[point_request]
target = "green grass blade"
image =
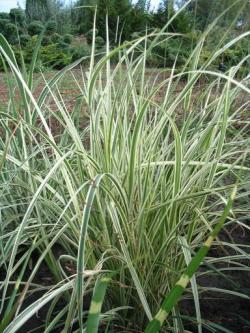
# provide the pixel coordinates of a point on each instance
(82, 244)
(34, 307)
(96, 304)
(173, 297)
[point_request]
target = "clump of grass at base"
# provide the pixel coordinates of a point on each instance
(139, 164)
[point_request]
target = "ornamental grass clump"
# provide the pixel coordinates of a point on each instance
(129, 185)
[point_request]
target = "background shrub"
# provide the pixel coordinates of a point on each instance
(24, 39)
(89, 35)
(4, 16)
(17, 16)
(46, 40)
(67, 38)
(11, 33)
(99, 41)
(80, 51)
(53, 56)
(55, 38)
(3, 25)
(63, 46)
(35, 28)
(29, 49)
(51, 27)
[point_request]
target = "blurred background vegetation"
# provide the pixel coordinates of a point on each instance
(67, 28)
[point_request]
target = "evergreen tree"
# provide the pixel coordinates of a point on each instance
(205, 11)
(141, 4)
(83, 15)
(42, 9)
(17, 16)
(164, 12)
(118, 11)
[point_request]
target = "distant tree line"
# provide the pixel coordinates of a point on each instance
(62, 24)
